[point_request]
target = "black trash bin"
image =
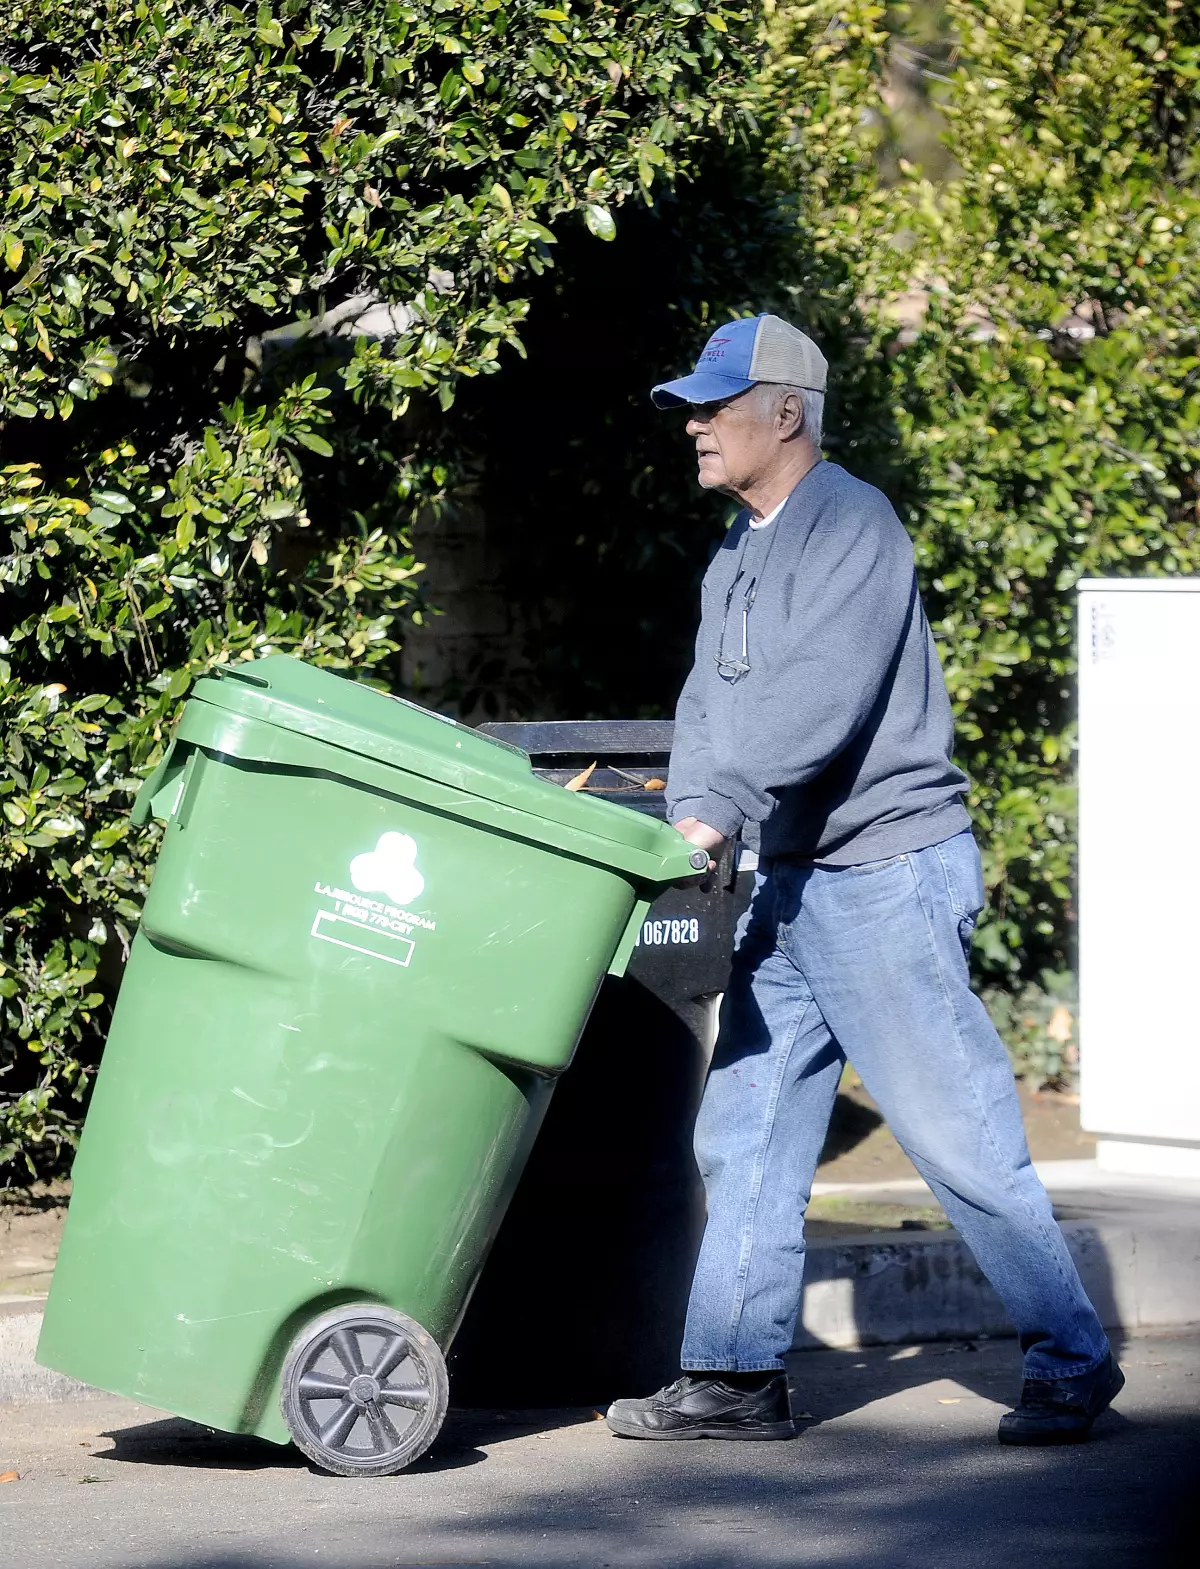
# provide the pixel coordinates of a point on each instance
(584, 1294)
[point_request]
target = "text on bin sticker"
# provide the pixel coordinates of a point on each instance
(659, 934)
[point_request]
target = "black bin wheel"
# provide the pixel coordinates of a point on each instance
(365, 1390)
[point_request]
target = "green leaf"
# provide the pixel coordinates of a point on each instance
(529, 230)
(114, 500)
(600, 221)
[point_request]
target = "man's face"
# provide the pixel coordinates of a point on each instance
(735, 444)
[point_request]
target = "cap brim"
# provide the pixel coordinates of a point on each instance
(702, 386)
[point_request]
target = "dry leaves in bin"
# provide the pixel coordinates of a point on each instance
(655, 784)
(580, 779)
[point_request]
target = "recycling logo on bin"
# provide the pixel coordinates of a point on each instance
(380, 927)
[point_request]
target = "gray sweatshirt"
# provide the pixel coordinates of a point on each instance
(835, 744)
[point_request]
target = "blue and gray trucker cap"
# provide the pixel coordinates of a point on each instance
(757, 348)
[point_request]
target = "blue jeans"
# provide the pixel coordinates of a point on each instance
(869, 963)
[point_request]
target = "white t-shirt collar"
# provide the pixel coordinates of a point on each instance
(770, 517)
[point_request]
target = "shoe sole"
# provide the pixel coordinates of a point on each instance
(1035, 1440)
(763, 1431)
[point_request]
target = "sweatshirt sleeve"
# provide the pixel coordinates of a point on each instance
(854, 593)
(691, 751)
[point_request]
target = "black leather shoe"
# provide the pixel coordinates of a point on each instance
(701, 1406)
(1062, 1410)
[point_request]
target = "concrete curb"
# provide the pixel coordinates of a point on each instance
(1135, 1241)
(878, 1290)
(21, 1379)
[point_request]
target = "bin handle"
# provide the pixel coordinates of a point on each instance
(169, 771)
(620, 959)
(236, 673)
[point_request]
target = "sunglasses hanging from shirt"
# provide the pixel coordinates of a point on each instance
(732, 667)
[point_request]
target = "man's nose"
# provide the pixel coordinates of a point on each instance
(695, 425)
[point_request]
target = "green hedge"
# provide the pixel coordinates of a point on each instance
(1019, 328)
(989, 214)
(194, 470)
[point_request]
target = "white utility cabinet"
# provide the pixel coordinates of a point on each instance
(1139, 872)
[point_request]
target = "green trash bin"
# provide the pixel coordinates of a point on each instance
(372, 942)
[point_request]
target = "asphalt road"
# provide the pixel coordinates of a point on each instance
(897, 1468)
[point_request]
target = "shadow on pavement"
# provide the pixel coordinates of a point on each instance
(912, 1478)
(988, 1368)
(174, 1441)
(490, 1427)
(941, 1505)
(186, 1445)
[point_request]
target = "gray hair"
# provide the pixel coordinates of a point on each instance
(772, 393)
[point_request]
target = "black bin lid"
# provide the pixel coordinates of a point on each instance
(628, 754)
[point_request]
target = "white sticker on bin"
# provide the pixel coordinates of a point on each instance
(390, 868)
(351, 918)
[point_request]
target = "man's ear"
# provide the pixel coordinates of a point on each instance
(789, 416)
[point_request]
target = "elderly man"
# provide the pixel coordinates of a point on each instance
(816, 724)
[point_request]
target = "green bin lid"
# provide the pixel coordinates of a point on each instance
(362, 722)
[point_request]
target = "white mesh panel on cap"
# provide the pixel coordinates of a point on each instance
(782, 353)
